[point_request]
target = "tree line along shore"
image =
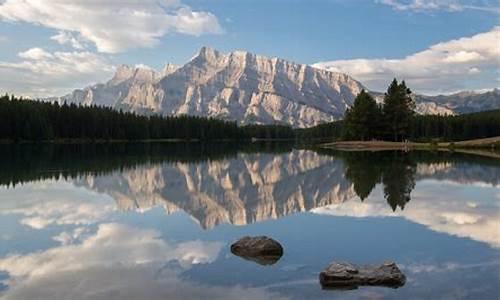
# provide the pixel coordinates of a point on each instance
(393, 120)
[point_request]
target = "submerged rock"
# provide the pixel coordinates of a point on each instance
(260, 249)
(343, 275)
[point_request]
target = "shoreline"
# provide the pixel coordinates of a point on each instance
(491, 142)
(486, 147)
(113, 141)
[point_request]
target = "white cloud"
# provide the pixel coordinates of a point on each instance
(448, 267)
(111, 244)
(35, 54)
(452, 214)
(68, 38)
(69, 237)
(47, 74)
(113, 26)
(441, 5)
(118, 262)
(54, 203)
(465, 63)
(3, 39)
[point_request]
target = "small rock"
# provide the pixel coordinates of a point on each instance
(343, 275)
(260, 249)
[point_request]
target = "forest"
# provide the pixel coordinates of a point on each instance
(424, 128)
(394, 119)
(28, 120)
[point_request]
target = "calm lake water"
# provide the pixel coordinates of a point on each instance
(155, 221)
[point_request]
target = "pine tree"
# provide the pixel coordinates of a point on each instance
(362, 120)
(398, 111)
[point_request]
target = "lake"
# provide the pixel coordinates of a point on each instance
(155, 221)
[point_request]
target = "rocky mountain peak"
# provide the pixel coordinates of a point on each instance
(139, 73)
(248, 88)
(207, 54)
(123, 72)
(169, 69)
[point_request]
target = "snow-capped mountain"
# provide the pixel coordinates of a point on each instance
(244, 87)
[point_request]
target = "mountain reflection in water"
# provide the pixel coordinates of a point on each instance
(94, 191)
(240, 184)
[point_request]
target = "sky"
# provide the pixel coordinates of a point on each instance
(50, 47)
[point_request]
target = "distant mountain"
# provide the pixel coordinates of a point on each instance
(248, 88)
(464, 102)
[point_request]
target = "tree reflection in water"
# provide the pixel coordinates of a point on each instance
(394, 169)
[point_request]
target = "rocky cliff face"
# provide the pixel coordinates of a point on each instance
(250, 88)
(464, 102)
(237, 86)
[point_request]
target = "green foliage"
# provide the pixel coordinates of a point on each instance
(27, 120)
(268, 131)
(456, 128)
(322, 132)
(396, 121)
(362, 120)
(398, 110)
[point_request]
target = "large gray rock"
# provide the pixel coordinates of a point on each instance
(343, 275)
(260, 249)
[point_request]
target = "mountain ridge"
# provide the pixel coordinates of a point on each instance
(246, 88)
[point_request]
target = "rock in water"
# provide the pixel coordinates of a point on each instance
(260, 249)
(343, 275)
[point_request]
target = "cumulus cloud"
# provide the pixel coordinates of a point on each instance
(118, 262)
(465, 63)
(451, 214)
(55, 203)
(35, 54)
(71, 236)
(441, 5)
(113, 26)
(68, 38)
(42, 73)
(112, 244)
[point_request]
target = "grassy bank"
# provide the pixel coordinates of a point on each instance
(485, 143)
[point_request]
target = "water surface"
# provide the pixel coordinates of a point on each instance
(155, 221)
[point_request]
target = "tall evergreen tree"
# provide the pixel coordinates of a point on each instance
(398, 111)
(362, 120)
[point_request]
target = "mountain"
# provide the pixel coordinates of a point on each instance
(238, 86)
(248, 88)
(465, 102)
(423, 105)
(126, 82)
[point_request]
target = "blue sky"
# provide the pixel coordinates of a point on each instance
(51, 47)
